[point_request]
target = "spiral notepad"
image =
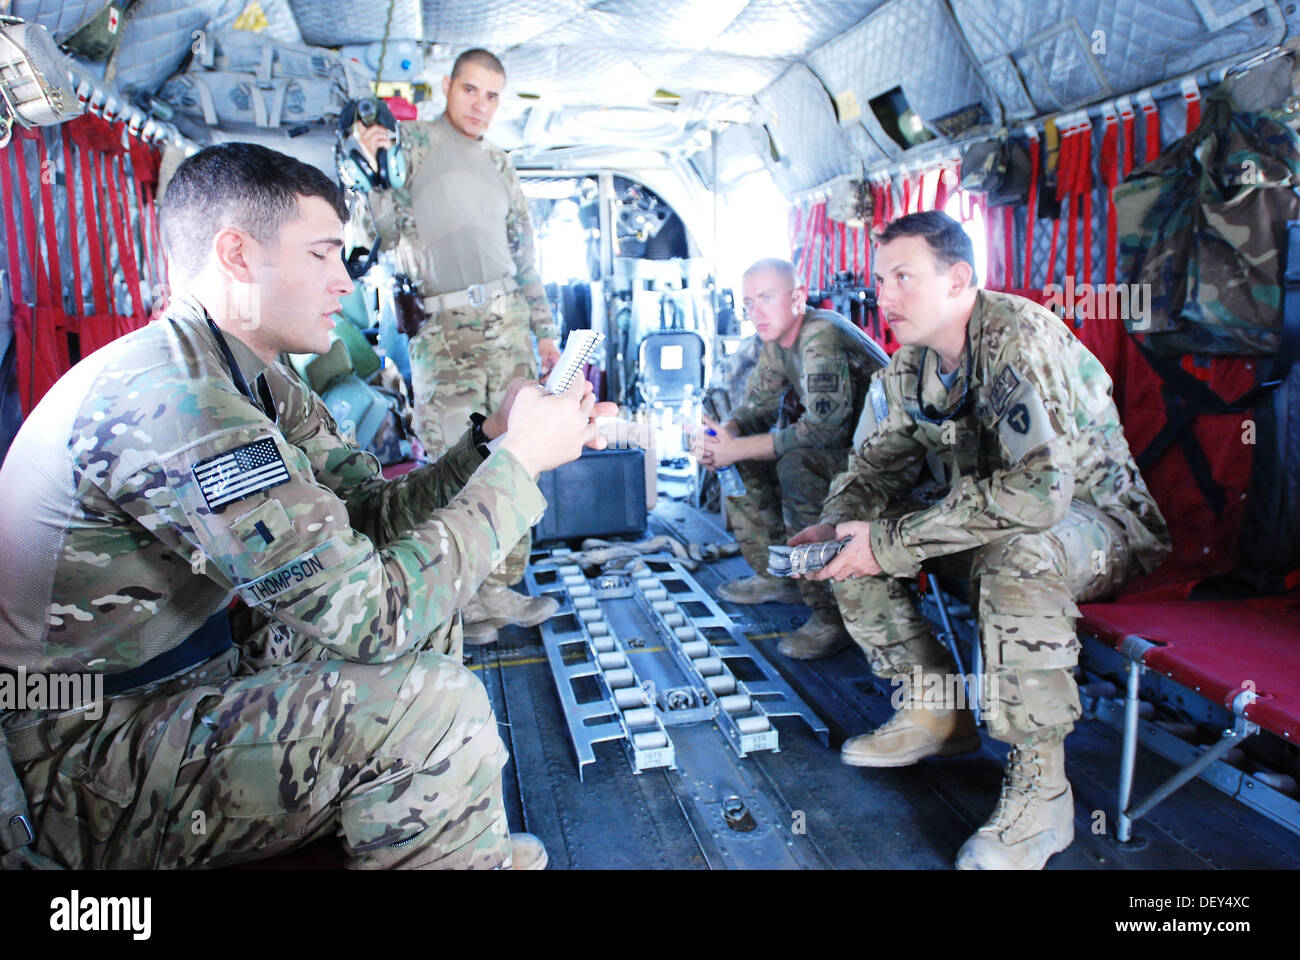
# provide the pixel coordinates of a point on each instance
(578, 350)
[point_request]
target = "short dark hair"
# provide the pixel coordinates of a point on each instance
(484, 58)
(242, 185)
(944, 235)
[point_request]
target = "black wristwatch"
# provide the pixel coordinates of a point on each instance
(477, 436)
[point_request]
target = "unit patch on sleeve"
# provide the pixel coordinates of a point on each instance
(1003, 389)
(823, 382)
(240, 472)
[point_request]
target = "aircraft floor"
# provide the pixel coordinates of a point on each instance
(913, 818)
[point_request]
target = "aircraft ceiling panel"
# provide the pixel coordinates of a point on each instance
(1073, 51)
(790, 28)
(563, 76)
(909, 45)
(716, 73)
(334, 24)
(663, 25)
(802, 121)
(496, 24)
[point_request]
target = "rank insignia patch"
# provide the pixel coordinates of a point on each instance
(240, 472)
(1003, 388)
(823, 382)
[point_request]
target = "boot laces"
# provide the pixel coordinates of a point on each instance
(1019, 784)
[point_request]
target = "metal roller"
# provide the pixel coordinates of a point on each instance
(580, 590)
(598, 629)
(721, 685)
(589, 615)
(674, 619)
(696, 648)
(612, 660)
(620, 678)
(641, 717)
(629, 698)
(569, 569)
(736, 703)
(647, 583)
(603, 644)
(577, 580)
(656, 593)
(665, 606)
(709, 666)
(650, 740)
(752, 724)
(584, 603)
(685, 633)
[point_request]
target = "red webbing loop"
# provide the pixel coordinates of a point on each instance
(53, 260)
(1152, 138)
(1109, 168)
(11, 227)
(1126, 115)
(125, 236)
(844, 247)
(1064, 175)
(79, 303)
(1084, 183)
(1031, 211)
(43, 295)
(1008, 249)
(101, 191)
(1192, 97)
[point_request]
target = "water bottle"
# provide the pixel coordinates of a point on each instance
(729, 480)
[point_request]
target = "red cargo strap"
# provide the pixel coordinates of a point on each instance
(1192, 97)
(1125, 107)
(1109, 169)
(1031, 210)
(1008, 252)
(125, 237)
(1084, 184)
(11, 228)
(1064, 175)
(844, 247)
(78, 301)
(1151, 141)
(90, 216)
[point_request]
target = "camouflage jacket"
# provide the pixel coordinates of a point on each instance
(145, 489)
(1038, 431)
(461, 218)
(830, 367)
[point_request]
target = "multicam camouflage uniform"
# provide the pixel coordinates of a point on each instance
(377, 733)
(1044, 501)
(462, 219)
(830, 367)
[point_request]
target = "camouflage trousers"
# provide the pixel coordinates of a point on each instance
(461, 361)
(1024, 588)
(781, 498)
(401, 759)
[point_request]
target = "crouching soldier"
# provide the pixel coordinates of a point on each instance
(1044, 501)
(182, 465)
(829, 363)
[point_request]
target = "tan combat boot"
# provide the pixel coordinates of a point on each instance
(499, 606)
(815, 640)
(480, 633)
(760, 589)
(1034, 817)
(527, 852)
(919, 729)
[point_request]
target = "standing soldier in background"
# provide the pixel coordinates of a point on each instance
(1044, 501)
(829, 364)
(460, 228)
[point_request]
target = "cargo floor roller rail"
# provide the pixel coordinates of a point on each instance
(636, 654)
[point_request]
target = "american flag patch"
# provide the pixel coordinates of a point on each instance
(240, 472)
